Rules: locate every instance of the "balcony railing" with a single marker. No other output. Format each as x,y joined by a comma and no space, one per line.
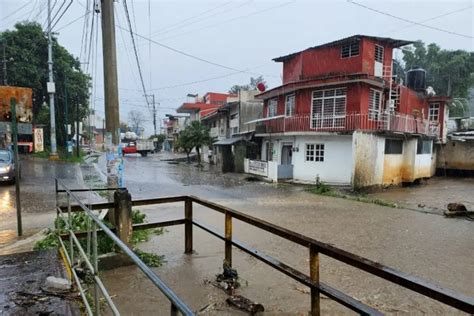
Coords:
349,122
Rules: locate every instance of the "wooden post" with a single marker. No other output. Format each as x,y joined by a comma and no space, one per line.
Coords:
228,237
188,226
314,276
123,215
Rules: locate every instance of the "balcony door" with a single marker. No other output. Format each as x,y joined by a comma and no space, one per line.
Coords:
378,63
328,108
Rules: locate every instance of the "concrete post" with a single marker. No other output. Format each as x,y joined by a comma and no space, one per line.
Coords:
123,215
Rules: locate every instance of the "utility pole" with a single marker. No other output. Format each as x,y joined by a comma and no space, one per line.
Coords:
77,129
5,81
17,166
154,110
112,121
51,88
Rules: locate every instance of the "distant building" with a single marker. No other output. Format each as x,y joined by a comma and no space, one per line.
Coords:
233,138
342,117
203,105
173,125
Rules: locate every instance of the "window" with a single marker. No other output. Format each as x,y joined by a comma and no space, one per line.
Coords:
269,151
375,99
379,53
350,50
423,146
290,105
328,108
315,152
393,146
272,107
434,112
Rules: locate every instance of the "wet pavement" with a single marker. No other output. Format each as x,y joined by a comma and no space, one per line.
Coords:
423,244
37,200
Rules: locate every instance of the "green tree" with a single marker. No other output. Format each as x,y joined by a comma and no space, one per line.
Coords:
27,55
185,142
449,72
195,135
251,86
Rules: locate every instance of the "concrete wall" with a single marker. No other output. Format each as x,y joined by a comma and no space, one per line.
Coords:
456,155
368,157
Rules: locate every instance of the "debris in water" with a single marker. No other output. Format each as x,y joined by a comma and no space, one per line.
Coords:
245,304
228,280
458,209
57,284
303,290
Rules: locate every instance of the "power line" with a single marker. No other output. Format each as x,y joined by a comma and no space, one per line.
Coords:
408,21
135,49
230,20
192,56
15,11
62,14
199,15
72,22
430,19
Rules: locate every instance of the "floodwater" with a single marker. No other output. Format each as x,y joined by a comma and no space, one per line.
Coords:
419,243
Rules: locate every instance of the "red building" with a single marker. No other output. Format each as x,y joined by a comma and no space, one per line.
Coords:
337,98
203,106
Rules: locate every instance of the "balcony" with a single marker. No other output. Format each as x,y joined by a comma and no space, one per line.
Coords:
345,123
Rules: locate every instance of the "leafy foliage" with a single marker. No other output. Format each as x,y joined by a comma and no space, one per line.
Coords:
195,135
449,72
251,86
104,243
27,55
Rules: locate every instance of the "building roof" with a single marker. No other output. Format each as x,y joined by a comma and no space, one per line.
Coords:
195,107
393,42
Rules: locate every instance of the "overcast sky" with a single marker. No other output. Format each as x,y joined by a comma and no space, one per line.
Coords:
234,40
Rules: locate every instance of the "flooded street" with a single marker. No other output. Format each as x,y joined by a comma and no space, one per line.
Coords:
423,244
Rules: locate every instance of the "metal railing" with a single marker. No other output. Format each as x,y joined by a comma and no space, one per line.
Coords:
315,249
90,255
395,122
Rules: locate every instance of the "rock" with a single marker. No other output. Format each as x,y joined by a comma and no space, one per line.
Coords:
457,207
57,284
245,304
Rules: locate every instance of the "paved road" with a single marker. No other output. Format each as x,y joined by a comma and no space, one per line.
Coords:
426,245
37,196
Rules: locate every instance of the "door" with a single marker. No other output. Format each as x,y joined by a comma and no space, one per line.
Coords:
286,153
378,67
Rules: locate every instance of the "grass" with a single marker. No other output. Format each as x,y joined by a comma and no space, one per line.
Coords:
104,243
323,189
63,155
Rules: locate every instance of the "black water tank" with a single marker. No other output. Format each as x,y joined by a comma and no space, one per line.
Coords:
416,79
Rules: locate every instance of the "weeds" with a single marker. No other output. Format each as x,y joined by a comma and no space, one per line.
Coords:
79,223
323,189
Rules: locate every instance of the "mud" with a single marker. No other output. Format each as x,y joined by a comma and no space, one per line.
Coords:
425,245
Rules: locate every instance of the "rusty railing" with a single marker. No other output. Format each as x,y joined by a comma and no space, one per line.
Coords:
315,250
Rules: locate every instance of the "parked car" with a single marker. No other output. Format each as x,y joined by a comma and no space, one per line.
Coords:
7,166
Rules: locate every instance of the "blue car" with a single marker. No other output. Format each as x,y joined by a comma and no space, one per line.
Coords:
7,166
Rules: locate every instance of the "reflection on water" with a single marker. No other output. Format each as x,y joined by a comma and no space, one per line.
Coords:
5,202
7,236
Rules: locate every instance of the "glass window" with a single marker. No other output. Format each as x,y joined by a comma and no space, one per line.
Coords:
349,50
379,53
434,112
375,99
393,146
290,105
4,155
328,108
424,146
272,107
314,152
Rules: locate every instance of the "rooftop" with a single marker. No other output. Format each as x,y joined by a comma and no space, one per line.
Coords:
391,41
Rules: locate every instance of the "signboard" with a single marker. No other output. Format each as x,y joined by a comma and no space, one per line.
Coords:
38,140
258,167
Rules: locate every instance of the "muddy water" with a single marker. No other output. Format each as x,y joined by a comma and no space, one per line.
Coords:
426,245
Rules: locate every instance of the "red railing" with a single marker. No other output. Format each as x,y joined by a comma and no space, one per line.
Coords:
349,122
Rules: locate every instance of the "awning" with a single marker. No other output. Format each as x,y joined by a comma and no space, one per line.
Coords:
229,141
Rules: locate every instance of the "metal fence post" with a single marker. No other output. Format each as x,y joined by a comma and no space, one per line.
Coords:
228,239
173,310
70,228
314,276
188,226
123,215
96,269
